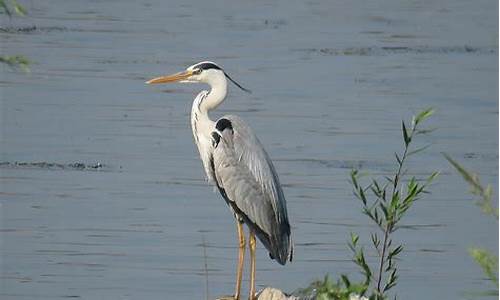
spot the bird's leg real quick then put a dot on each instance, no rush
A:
(241, 258)
(252, 244)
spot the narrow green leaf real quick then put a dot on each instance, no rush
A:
(418, 150)
(471, 178)
(432, 177)
(390, 265)
(406, 138)
(487, 261)
(16, 61)
(19, 9)
(375, 240)
(362, 195)
(346, 280)
(423, 115)
(375, 213)
(394, 252)
(425, 131)
(400, 162)
(5, 8)
(354, 178)
(477, 188)
(392, 281)
(395, 201)
(354, 238)
(384, 210)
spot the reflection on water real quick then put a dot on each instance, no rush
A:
(102, 192)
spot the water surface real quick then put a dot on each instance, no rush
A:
(331, 82)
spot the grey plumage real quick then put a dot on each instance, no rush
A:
(235, 161)
(246, 178)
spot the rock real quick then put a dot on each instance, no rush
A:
(270, 293)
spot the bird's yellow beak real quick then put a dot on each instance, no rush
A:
(171, 78)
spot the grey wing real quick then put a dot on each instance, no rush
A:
(267, 205)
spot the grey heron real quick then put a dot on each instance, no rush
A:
(237, 164)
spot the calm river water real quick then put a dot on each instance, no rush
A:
(331, 82)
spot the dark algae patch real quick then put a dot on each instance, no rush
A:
(52, 166)
(388, 50)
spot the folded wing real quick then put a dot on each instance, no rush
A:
(248, 181)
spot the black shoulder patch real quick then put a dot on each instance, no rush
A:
(216, 139)
(207, 66)
(223, 124)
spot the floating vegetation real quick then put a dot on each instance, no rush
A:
(32, 29)
(341, 164)
(52, 166)
(47, 29)
(275, 24)
(388, 50)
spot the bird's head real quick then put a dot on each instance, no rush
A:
(204, 72)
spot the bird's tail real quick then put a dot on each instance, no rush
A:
(285, 248)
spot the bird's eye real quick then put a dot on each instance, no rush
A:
(197, 71)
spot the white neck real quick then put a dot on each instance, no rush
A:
(204, 103)
(201, 124)
(216, 96)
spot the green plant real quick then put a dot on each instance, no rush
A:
(389, 202)
(325, 289)
(485, 259)
(11, 7)
(385, 202)
(485, 201)
(16, 61)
